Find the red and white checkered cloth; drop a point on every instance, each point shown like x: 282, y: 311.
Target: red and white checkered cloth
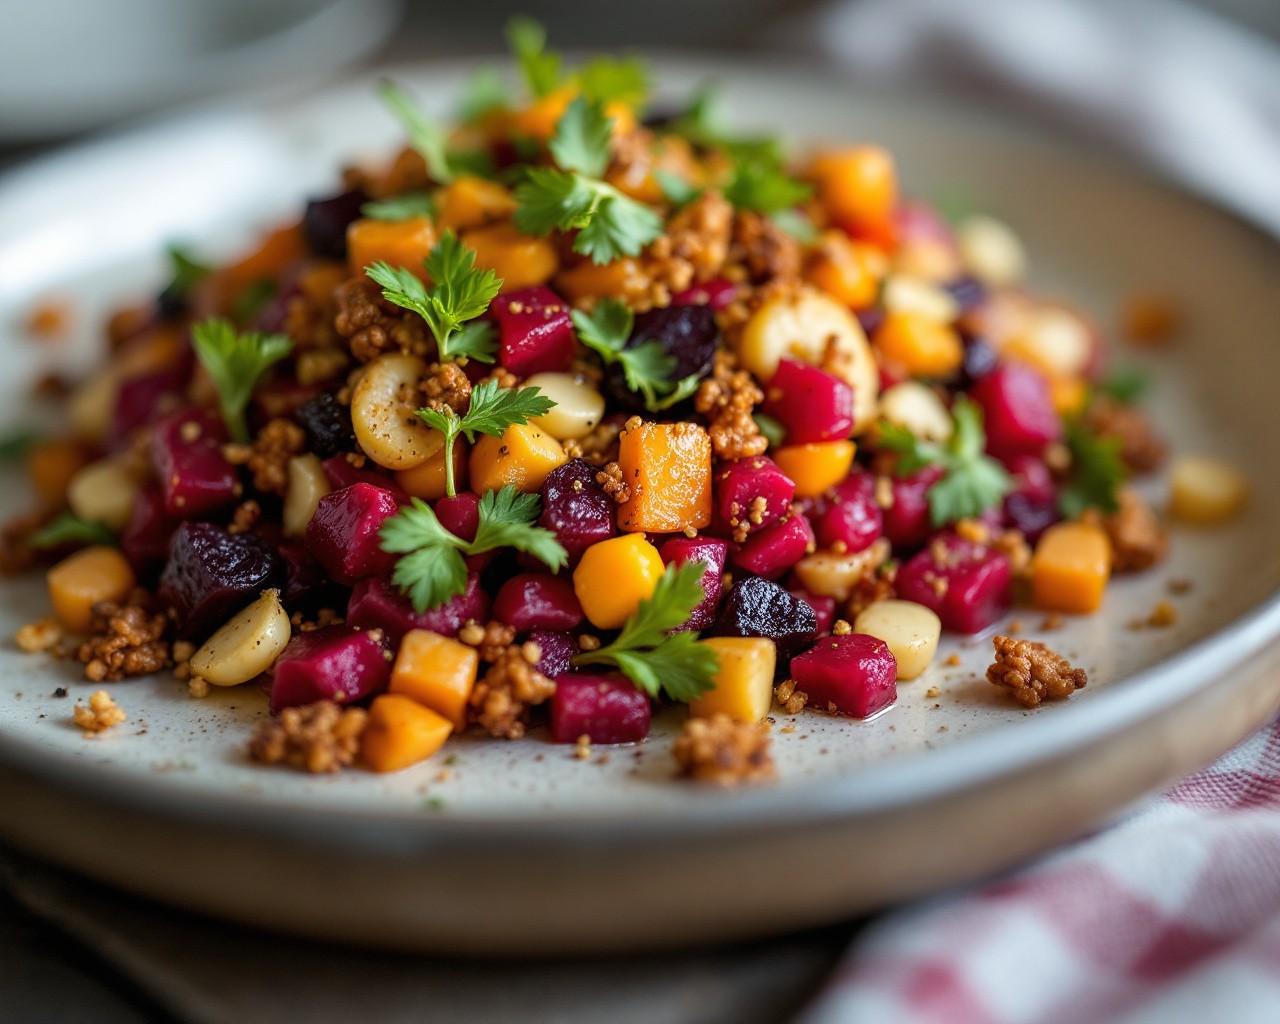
x: 1171, y: 915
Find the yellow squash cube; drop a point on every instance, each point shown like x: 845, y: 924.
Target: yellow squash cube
x: 614, y: 576
x: 437, y: 672
x: 744, y: 681
x: 1070, y: 568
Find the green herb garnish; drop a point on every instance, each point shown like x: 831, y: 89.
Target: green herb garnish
x: 972, y: 481
x: 71, y: 529
x: 647, y: 651
x: 540, y: 67
x: 607, y: 79
x: 186, y: 271
x: 459, y: 292
x: 491, y: 411
x: 236, y: 362
x: 1097, y: 472
x: 485, y: 91
x: 404, y: 207
x: 1125, y: 384
x: 251, y: 301
x: 775, y: 433
x: 17, y: 443
x: 647, y: 366
x: 431, y: 569
x: 427, y: 137
x: 572, y: 197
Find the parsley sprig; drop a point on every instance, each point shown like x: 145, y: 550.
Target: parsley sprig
x: 459, y: 292
x: 1097, y: 472
x: 649, y: 654
x: 491, y: 411
x: 972, y: 481
x: 626, y: 79
x: 540, y: 67
x: 68, y: 528
x: 647, y: 366
x: 402, y: 207
x: 426, y: 136
x: 572, y: 197
x: 431, y: 568
x: 237, y: 362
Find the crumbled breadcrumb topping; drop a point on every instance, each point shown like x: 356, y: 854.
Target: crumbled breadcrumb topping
x: 724, y: 752
x: 1034, y: 672
x: 318, y: 738
x: 99, y: 715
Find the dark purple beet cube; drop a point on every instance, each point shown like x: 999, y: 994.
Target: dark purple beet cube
x: 689, y: 335
x: 143, y: 398
x: 535, y: 332
x: 750, y: 494
x: 711, y: 553
x: 776, y: 548
x: 377, y: 603
x: 306, y: 585
x: 1017, y: 410
x: 849, y: 517
x: 343, y: 534
x: 1032, y: 505
x: 604, y: 708
x: 810, y: 403
x: 186, y: 449
x: 532, y: 600
x: 968, y: 586
x: 145, y: 541
x: 575, y: 507
x: 212, y: 574
x: 557, y: 650
x: 336, y: 663
x: 327, y: 423
x: 325, y: 222
x: 853, y: 674
x: 824, y: 608
x: 759, y: 607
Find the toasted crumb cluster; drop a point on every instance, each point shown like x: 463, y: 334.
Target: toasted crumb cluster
x: 1138, y: 541
x: 727, y: 398
x: 599, y: 447
x: 41, y: 635
x: 762, y: 249
x: 1034, y: 672
x: 613, y: 483
x: 446, y: 385
x: 99, y: 715
x: 501, y: 698
x: 489, y: 640
x: 694, y: 248
x: 318, y: 738
x: 791, y: 700
x: 724, y: 752
x: 1141, y: 448
x: 245, y: 517
x: 127, y: 640
x: 268, y: 457
x: 371, y: 326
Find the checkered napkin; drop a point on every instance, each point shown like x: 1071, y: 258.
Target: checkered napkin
x: 1171, y: 915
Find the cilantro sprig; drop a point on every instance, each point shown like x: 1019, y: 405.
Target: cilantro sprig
x: 68, y: 528
x: 431, y: 568
x: 459, y: 292
x: 647, y: 651
x: 572, y: 197
x: 647, y: 367
x: 971, y: 482
x: 236, y: 361
x: 491, y: 411
x: 1097, y: 472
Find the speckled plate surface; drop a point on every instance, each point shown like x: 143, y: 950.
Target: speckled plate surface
x: 951, y: 782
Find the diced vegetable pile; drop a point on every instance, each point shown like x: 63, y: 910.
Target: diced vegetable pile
x: 580, y: 407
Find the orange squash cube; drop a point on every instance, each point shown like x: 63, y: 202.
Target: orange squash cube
x: 51, y: 465
x: 1070, y: 568
x: 522, y: 261
x: 858, y: 185
x: 437, y: 672
x: 744, y: 681
x: 469, y: 202
x: 401, y: 732
x: 918, y: 344
x: 427, y: 480
x: 614, y: 576
x: 850, y: 272
x: 667, y: 467
x: 280, y: 249
x: 81, y: 580
x: 815, y: 467
x: 522, y: 456
x: 402, y: 243
x: 621, y: 279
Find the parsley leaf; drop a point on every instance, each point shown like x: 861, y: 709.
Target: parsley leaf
x: 1097, y: 471
x: 675, y: 189
x: 1125, y: 385
x: 647, y: 366
x: 492, y: 409
x: 459, y: 292
x: 571, y: 196
x: 71, y: 529
x: 17, y: 443
x: 253, y: 299
x: 425, y: 135
x: 764, y: 186
x: 652, y: 657
x: 485, y: 92
x: 972, y: 481
x: 236, y: 362
x: 539, y: 66
x: 432, y: 569
x: 610, y: 79
x: 186, y: 272
x: 775, y: 433
x: 404, y: 207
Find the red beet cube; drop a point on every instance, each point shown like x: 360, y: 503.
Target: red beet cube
x: 343, y: 533
x: 557, y: 650
x: 1017, y: 410
x: 812, y: 404
x: 855, y: 673
x: 186, y: 448
x: 750, y: 494
x: 145, y: 541
x: 377, y: 603
x: 849, y: 516
x: 144, y: 397
x: 716, y: 293
x: 824, y: 608
x: 336, y: 663
x: 711, y: 553
x: 968, y: 585
x: 1032, y: 505
x: 211, y: 574
x: 775, y: 549
x: 340, y: 473
x: 907, y: 523
x: 535, y: 333
x: 537, y: 599
x: 575, y: 508
x: 604, y: 708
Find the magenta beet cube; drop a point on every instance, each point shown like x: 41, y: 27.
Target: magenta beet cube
x: 532, y: 600
x: 336, y: 663
x: 145, y: 541
x: 143, y: 398
x: 377, y: 603
x: 812, y: 404
x: 1017, y: 410
x: 575, y: 507
x: 775, y: 549
x: 716, y: 293
x: 1032, y: 505
x: 967, y: 585
x: 604, y: 708
x: 558, y: 649
x: 853, y: 674
x: 211, y: 574
x: 711, y: 553
x: 907, y: 522
x: 340, y: 473
x: 849, y: 515
x: 343, y: 533
x: 824, y: 608
x: 750, y: 494
x: 186, y: 449
x: 460, y: 515
x: 535, y: 333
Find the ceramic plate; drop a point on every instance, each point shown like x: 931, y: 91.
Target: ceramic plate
x: 524, y: 848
